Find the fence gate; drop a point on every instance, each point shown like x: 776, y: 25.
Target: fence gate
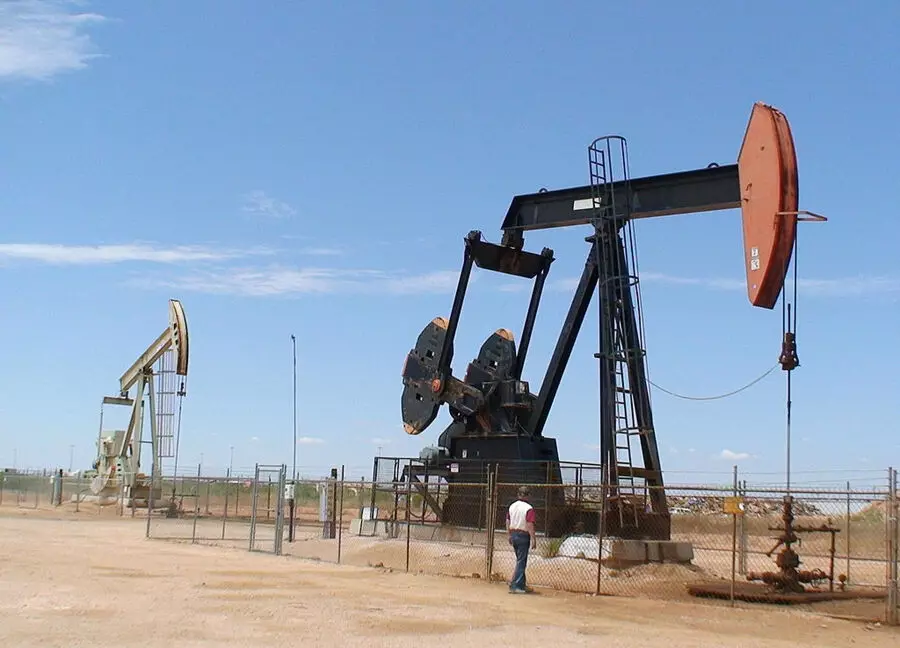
x: 267, y: 508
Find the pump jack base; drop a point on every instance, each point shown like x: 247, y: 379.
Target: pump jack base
x: 760, y: 593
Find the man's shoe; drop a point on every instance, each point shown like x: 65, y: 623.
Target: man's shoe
x: 518, y: 591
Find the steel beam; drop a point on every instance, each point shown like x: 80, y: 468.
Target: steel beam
x: 685, y: 192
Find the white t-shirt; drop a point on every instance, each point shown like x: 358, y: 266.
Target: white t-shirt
x: 519, y: 514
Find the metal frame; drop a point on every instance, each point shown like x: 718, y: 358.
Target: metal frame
x: 687, y: 192
x: 609, y: 206
x: 278, y: 540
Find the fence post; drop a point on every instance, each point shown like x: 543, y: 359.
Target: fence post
x: 408, y: 496
x: 253, y: 495
x: 491, y: 520
x: 58, y: 489
x: 601, y: 525
x: 153, y: 469
x: 372, y: 504
x: 237, y: 500
x: 734, y: 517
x: 896, y: 544
x: 743, y: 540
x: 279, y: 510
x: 893, y: 596
x: 847, y: 538
x: 227, y: 486
x: 340, y: 516
x: 196, y: 506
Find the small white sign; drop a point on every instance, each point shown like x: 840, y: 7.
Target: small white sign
x: 454, y: 468
x: 289, y: 491
x: 754, y: 252
x: 754, y: 264
x: 586, y: 203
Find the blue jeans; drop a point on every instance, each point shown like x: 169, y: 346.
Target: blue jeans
x: 521, y: 542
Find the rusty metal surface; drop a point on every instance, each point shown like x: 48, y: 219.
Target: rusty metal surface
x: 767, y: 169
x: 788, y: 578
x: 759, y: 593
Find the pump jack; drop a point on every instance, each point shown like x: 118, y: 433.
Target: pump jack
x: 118, y: 462
x: 498, y: 421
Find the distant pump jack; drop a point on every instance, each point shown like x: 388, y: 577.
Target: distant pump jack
x: 118, y: 462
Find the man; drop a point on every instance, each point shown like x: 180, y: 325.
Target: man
x: 520, y: 528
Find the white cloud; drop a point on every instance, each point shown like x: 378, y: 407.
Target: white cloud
x: 309, y: 441
x: 518, y: 287
x: 839, y: 287
x: 42, y: 38
x: 262, y: 204
x: 730, y: 455
x: 250, y: 282
x: 58, y: 254
x: 321, y: 251
x: 713, y: 283
x: 849, y: 286
x: 219, y: 279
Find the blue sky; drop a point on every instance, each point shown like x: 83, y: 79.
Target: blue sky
x: 311, y: 169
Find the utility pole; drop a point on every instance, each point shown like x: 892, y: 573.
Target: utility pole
x: 231, y: 461
x: 71, y: 455
x: 292, y: 490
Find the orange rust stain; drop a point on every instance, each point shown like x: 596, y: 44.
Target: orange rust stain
x: 767, y: 168
x: 506, y: 334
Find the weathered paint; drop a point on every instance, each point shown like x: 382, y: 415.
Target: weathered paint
x: 767, y: 167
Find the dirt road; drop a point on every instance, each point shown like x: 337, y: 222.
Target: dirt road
x: 71, y: 581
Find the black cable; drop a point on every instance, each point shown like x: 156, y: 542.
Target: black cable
x: 720, y: 396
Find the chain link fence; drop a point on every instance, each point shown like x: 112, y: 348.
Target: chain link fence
x: 719, y: 542
x: 48, y: 490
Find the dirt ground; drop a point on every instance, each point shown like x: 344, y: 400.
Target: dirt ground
x: 76, y: 580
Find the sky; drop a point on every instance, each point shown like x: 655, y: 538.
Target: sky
x: 311, y: 169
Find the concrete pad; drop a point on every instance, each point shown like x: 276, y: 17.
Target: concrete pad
x: 634, y: 552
